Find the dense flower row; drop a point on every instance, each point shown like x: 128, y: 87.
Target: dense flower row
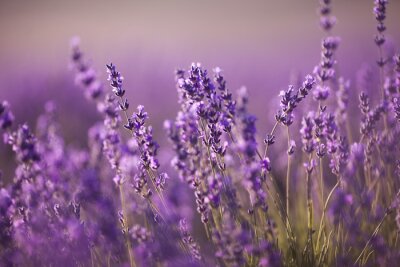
x: 322, y: 195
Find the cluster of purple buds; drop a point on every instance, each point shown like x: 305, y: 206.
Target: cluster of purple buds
x: 86, y: 76
x: 231, y: 242
x: 6, y: 116
x: 215, y: 108
x: 380, y: 15
x: 139, y: 233
x: 339, y: 161
x: 214, y: 190
x: 115, y: 79
x: 229, y: 112
x: 189, y: 240
x: 324, y: 70
x: 201, y: 201
x: 292, y: 147
x: 327, y: 21
x: 247, y: 143
x: 140, y: 183
x: 147, y: 145
x: 111, y: 139
x: 215, y: 140
x: 396, y: 104
x: 269, y: 139
x: 6, y: 229
x: 321, y: 92
x: 306, y: 131
x: 390, y: 86
x: 325, y: 133
x: 266, y: 163
x: 364, y: 103
x: 342, y: 96
x: 290, y: 99
x: 396, y: 59
x: 254, y: 181
x: 178, y: 136
x: 319, y: 133
x: 331, y: 133
x: 24, y: 145
x: 161, y: 181
x: 136, y: 124
x: 370, y: 117
x: 192, y: 86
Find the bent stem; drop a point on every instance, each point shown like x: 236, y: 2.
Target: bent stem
x: 321, y: 223
x: 376, y: 231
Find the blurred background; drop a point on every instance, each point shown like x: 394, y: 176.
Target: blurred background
x: 259, y: 44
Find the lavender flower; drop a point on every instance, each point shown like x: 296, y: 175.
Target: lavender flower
x: 327, y: 21
x: 324, y: 71
x: 307, y: 133
x: 290, y: 100
x: 397, y: 72
x: 86, y: 76
x: 380, y: 15
x: 63, y: 197
x: 342, y: 100
x: 189, y: 241
x: 6, y: 116
x: 24, y: 145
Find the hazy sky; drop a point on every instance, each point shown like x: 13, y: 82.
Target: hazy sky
x: 257, y: 43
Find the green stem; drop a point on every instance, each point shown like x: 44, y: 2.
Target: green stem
x: 288, y: 179
x: 126, y: 226
x: 309, y: 216
x: 321, y: 223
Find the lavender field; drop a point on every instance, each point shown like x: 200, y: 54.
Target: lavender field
x: 281, y: 148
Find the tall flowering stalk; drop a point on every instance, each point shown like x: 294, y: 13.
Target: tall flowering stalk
x: 380, y: 16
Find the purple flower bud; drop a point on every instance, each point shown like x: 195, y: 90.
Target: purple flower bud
x: 85, y: 75
x: 321, y: 93
x: 115, y: 79
x: 269, y: 140
x: 6, y: 118
x: 379, y: 39
x: 327, y: 23
x: 357, y: 152
x: 161, y: 181
x: 380, y: 10
x: 291, y: 148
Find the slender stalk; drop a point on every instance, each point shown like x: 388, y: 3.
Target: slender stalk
x: 376, y: 231
x: 126, y: 226
x: 288, y: 179
x: 149, y: 171
x: 309, y: 215
x: 389, y: 210
x: 321, y: 178
x: 321, y: 223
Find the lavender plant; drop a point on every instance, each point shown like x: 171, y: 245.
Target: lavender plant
x: 225, y: 201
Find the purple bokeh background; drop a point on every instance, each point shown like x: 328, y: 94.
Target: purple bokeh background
x: 259, y: 44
